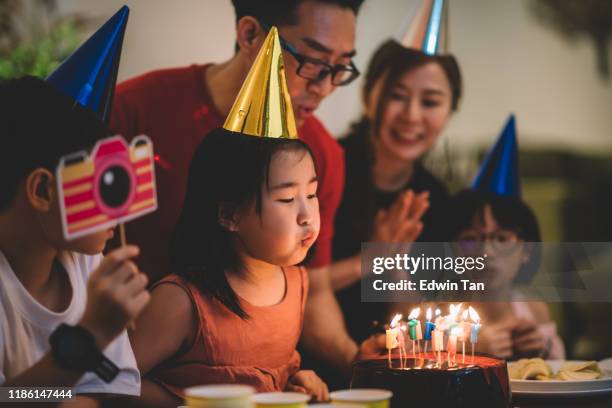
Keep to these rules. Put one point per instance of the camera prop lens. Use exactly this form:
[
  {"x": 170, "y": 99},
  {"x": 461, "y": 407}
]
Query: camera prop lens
[{"x": 114, "y": 186}]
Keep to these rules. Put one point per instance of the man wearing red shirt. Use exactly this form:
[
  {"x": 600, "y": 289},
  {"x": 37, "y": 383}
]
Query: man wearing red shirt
[{"x": 177, "y": 107}]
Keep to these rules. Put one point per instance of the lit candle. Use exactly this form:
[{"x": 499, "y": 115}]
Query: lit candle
[
  {"x": 465, "y": 326},
  {"x": 400, "y": 336},
  {"x": 475, "y": 328},
  {"x": 437, "y": 343},
  {"x": 464, "y": 332},
  {"x": 393, "y": 334},
  {"x": 455, "y": 313},
  {"x": 442, "y": 325},
  {"x": 429, "y": 326},
  {"x": 451, "y": 318},
  {"x": 438, "y": 340},
  {"x": 451, "y": 348},
  {"x": 452, "y": 341},
  {"x": 458, "y": 309},
  {"x": 392, "y": 338},
  {"x": 414, "y": 328},
  {"x": 402, "y": 346},
  {"x": 439, "y": 318},
  {"x": 413, "y": 322}
]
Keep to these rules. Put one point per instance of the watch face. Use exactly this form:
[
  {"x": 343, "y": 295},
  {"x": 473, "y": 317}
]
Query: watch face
[{"x": 73, "y": 348}]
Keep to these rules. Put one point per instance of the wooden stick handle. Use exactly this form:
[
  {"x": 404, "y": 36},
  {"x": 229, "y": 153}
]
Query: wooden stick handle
[
  {"x": 131, "y": 325},
  {"x": 122, "y": 234}
]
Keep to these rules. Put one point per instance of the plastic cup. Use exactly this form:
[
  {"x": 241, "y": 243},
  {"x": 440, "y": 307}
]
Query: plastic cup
[
  {"x": 281, "y": 400},
  {"x": 368, "y": 397},
  {"x": 219, "y": 396}
]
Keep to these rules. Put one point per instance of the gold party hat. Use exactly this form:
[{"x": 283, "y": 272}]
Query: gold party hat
[
  {"x": 426, "y": 31},
  {"x": 263, "y": 106}
]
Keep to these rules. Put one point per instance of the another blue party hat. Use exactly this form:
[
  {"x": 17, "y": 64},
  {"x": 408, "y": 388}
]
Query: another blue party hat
[
  {"x": 499, "y": 171},
  {"x": 426, "y": 30},
  {"x": 89, "y": 75}
]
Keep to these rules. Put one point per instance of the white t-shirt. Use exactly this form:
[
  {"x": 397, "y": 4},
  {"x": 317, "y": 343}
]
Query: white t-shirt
[{"x": 26, "y": 325}]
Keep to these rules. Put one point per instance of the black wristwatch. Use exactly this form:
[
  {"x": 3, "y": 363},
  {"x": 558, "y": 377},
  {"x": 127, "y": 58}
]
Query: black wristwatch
[{"x": 74, "y": 348}]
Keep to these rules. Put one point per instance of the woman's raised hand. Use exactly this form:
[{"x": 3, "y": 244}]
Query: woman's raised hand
[{"x": 401, "y": 222}]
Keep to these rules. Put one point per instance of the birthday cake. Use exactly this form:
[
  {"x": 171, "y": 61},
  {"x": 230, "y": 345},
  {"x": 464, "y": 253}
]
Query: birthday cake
[{"x": 430, "y": 381}]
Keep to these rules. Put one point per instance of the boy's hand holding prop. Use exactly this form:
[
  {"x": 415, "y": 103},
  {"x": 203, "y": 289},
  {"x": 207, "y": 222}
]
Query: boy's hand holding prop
[
  {"x": 116, "y": 295},
  {"x": 115, "y": 184}
]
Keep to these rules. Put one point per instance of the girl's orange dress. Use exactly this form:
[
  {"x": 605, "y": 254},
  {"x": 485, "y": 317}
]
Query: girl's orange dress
[{"x": 260, "y": 351}]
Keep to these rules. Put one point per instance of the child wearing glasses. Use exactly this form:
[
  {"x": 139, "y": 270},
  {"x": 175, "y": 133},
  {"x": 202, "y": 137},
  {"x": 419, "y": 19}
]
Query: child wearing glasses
[{"x": 504, "y": 227}]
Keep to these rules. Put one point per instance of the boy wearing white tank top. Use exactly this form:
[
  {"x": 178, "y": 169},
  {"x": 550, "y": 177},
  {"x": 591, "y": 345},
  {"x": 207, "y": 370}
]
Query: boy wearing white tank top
[{"x": 63, "y": 307}]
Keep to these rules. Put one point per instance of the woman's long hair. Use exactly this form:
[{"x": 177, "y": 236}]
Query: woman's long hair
[{"x": 389, "y": 63}]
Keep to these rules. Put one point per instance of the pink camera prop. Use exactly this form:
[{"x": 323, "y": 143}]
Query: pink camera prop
[{"x": 115, "y": 184}]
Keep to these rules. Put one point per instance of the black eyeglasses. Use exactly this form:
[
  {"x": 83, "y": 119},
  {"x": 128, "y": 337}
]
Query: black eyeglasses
[
  {"x": 502, "y": 242},
  {"x": 317, "y": 70}
]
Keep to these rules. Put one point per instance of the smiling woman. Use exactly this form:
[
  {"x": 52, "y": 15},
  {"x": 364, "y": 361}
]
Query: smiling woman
[{"x": 389, "y": 196}]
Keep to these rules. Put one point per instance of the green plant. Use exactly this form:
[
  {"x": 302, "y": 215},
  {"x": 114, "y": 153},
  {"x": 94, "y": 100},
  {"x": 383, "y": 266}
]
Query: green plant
[{"x": 36, "y": 40}]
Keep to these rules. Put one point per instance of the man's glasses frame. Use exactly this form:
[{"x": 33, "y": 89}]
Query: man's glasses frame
[{"x": 320, "y": 69}]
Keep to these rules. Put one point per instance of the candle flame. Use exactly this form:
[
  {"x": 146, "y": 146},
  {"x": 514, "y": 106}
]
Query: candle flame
[
  {"x": 428, "y": 314},
  {"x": 438, "y": 312},
  {"x": 464, "y": 315},
  {"x": 458, "y": 309},
  {"x": 396, "y": 320},
  {"x": 474, "y": 315},
  {"x": 454, "y": 312},
  {"x": 414, "y": 313}
]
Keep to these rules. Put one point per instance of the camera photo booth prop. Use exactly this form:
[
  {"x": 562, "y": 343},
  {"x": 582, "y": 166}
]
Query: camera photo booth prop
[{"x": 113, "y": 185}]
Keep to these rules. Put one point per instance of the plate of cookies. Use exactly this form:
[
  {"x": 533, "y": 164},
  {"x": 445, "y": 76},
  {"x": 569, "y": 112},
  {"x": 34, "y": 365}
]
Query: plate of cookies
[{"x": 535, "y": 376}]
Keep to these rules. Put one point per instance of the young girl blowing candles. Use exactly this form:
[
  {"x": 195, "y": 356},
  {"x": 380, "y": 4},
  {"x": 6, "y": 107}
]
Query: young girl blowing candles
[{"x": 232, "y": 310}]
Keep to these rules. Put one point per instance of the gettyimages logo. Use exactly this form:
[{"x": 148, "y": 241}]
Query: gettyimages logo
[
  {"x": 414, "y": 264},
  {"x": 483, "y": 271}
]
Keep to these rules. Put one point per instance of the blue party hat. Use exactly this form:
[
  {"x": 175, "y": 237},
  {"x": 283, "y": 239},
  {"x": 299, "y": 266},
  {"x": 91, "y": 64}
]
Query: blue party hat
[
  {"x": 89, "y": 75},
  {"x": 499, "y": 171},
  {"x": 426, "y": 30}
]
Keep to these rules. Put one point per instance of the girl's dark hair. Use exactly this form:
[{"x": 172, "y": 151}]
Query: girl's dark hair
[
  {"x": 227, "y": 170},
  {"x": 509, "y": 212}
]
